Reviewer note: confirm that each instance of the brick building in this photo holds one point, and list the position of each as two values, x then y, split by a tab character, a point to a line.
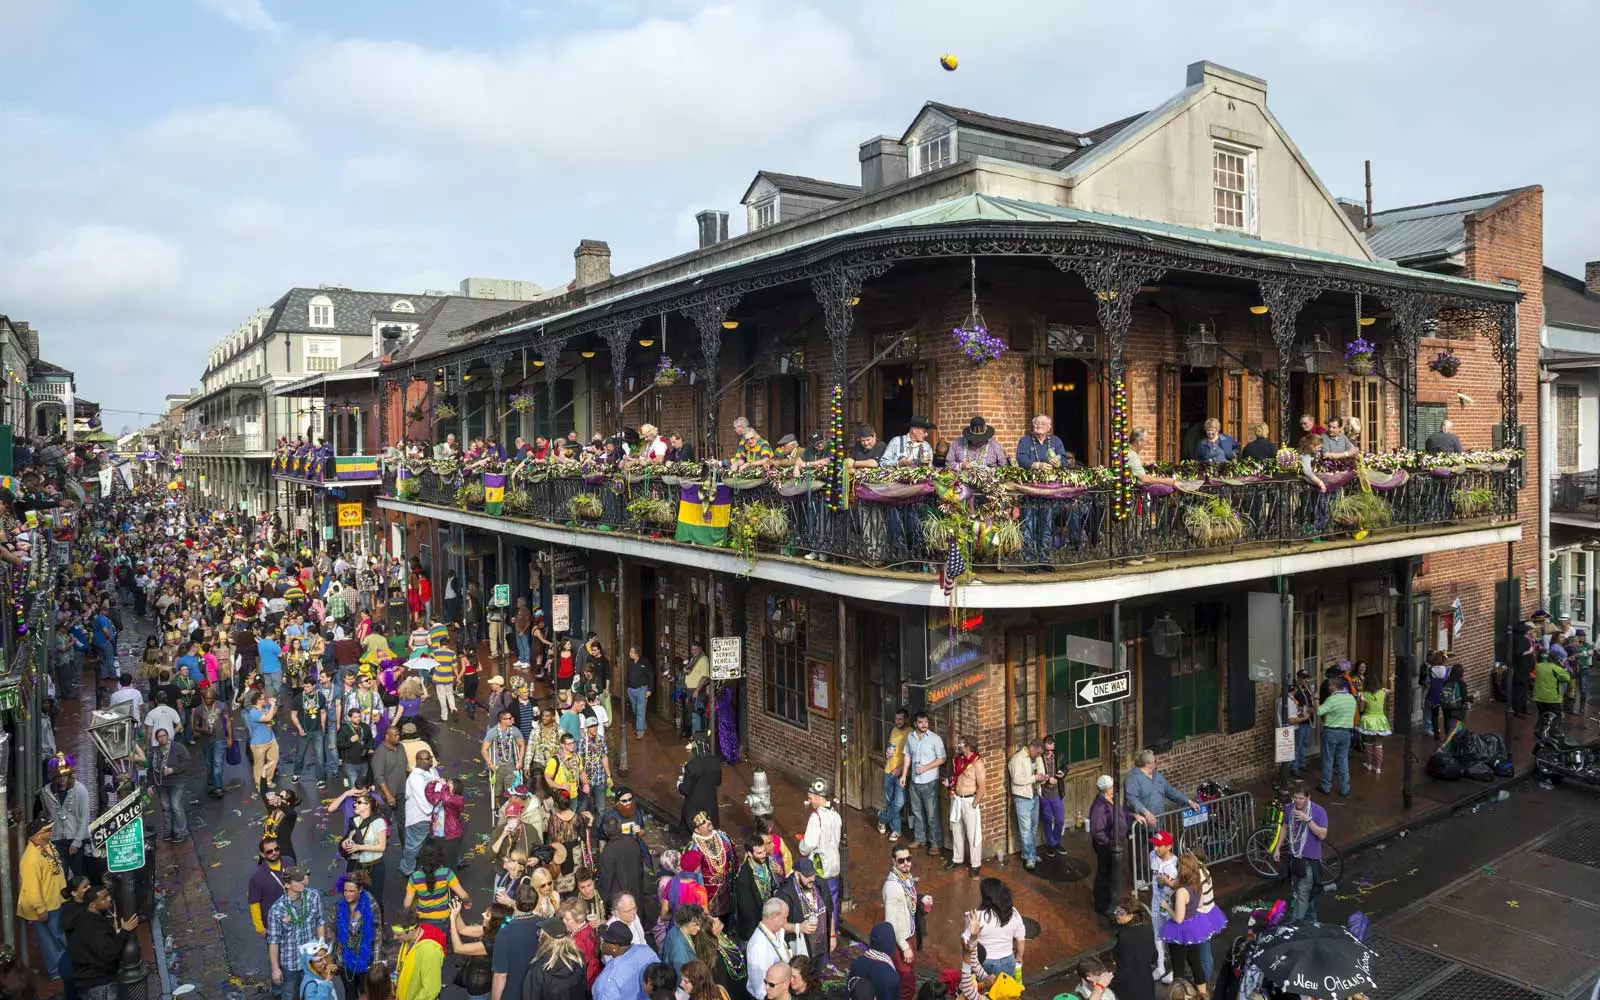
1173	266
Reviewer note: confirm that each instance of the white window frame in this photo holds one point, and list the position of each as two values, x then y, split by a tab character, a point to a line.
922	160
321	354
764	213
1250	222
403	306
319	313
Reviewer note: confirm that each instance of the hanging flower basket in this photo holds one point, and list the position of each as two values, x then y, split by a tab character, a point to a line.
586	507
445	411
978	345
416	414
1446	363
668	373
522	402
1358	356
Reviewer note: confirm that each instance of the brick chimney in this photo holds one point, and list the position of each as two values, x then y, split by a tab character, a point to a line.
883	163
1591	277
1354	211
713	226
30	338
593	263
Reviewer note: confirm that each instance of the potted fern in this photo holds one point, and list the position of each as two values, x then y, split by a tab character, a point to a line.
1213	521
586	507
469	496
1474	502
654	511
1361	512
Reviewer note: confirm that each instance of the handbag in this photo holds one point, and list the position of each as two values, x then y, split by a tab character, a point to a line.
235	753
475	976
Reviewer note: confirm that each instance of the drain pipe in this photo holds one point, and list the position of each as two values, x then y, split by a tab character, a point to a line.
1546	465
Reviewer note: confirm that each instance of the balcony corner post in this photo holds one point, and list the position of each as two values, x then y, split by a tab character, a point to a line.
837	288
616	338
1284	298
707	314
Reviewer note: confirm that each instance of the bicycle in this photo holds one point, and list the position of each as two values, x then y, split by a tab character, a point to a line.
1264	849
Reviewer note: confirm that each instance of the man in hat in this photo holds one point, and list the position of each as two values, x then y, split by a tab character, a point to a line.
697	682
868	450
1580	661
1294	709
66	805
1163	881
502	751
824	828
1108	826
912	447
594	761
810	906
817	451
295	920
420	967
625	965
39	895
976	446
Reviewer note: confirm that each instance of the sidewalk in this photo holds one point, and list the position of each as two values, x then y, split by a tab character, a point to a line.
1055	900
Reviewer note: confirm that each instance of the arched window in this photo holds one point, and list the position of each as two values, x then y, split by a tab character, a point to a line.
321	311
402	306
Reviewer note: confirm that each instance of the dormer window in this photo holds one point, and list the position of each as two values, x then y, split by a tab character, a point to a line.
1233	187
936	151
402	306
764	213
321	312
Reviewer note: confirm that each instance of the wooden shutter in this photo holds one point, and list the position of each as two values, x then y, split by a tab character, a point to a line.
1155	690
1095	450
1241	690
1169	426
1330	398
1231	390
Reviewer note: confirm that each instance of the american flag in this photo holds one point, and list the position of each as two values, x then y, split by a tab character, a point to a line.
955	567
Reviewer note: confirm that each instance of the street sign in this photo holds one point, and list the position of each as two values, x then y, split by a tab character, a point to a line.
727	658
125	848
502	596
349	515
561	612
121	815
1196	816
1102	689
1283	745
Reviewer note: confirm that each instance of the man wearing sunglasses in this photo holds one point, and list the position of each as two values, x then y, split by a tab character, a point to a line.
776	982
900	902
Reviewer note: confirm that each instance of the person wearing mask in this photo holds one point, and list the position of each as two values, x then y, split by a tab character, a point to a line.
96	946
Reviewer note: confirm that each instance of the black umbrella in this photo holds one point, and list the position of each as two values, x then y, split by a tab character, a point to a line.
1314	960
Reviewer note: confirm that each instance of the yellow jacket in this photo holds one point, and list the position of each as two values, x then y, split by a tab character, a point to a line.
41	881
421	971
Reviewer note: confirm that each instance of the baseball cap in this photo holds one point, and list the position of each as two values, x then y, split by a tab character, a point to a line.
805	866
616	934
296	873
1161	838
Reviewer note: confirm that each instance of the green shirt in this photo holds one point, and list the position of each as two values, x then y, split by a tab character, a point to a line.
1339	711
1548	676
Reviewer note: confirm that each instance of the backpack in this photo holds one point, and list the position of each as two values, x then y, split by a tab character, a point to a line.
1450	697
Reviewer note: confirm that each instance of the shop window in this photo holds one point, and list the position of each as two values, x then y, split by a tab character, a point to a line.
1197	673
1077	735
1308	632
784	685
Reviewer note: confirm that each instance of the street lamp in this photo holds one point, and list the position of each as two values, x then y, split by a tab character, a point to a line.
112	732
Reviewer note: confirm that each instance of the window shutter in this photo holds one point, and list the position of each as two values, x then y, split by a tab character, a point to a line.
1169	429
1155	684
1241	699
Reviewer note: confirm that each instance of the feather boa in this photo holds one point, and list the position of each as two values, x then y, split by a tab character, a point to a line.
358	959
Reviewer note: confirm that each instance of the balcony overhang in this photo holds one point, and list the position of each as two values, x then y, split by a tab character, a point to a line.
1120	584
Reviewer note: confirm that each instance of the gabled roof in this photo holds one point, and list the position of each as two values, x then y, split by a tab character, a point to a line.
1000	126
352	310
446	316
1567	302
1417	234
803	185
39	366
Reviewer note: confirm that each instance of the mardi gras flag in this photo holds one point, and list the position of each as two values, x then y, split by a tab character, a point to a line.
494	492
702	517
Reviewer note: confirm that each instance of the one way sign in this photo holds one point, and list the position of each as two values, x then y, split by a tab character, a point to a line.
1102	689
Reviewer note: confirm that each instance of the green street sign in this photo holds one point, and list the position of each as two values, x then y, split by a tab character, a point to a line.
125	848
502	595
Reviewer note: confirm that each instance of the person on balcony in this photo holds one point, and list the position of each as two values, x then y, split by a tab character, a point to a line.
1042	447
447	448
753	450
1260	448
976	446
679	450
815	454
868	450
652	446
912	447
1215	446
1136	439
1309	426
1335	444
1443	440
1310	446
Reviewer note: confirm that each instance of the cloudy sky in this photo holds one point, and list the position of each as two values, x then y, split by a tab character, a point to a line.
171	165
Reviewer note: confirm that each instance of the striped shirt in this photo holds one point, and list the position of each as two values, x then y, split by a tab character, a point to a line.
444	665
433	904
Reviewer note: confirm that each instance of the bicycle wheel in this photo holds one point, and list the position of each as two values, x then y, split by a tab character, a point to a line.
1258	852
1332	862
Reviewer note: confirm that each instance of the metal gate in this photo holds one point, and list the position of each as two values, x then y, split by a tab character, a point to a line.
1217	831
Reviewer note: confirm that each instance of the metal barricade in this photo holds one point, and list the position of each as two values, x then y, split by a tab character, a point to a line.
1217	830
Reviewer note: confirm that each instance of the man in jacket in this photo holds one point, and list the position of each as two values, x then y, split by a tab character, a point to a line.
757	881
1548	677
39	896
96	946
213	723
622	863
66	806
824	830
640	679
354	745
169	766
1146	791
1024	773
418	813
1107	825
810	905
389	770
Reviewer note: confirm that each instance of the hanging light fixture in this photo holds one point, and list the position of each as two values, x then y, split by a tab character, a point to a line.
647	342
1164	636
1320	358
538	362
1200	345
730	324
586	355
1259	309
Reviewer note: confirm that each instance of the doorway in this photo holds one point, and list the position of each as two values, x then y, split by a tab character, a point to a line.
1369	647
1069	405
1194	406
897	400
786	412
874	658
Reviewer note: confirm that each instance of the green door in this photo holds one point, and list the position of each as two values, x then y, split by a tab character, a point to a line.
1077	736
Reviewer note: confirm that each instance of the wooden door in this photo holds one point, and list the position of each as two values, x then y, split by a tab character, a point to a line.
1169	423
1369	646
1097	447
1271	405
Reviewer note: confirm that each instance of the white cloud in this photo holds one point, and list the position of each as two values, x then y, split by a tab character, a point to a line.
384	173
248	14
221	136
92	271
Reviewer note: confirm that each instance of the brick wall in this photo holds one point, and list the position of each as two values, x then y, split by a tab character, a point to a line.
1504	243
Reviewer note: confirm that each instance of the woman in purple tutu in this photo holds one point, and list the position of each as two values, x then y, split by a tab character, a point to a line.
1192	925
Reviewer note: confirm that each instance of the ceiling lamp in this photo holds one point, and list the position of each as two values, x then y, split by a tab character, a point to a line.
855	300
537	363
586	355
647	342
1320	358
1367	320
730	324
1200	347
1259	309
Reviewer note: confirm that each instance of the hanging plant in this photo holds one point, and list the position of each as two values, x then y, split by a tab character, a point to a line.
998	538
586	507
518	501
1213	521
1446	363
973	338
1475	502
657	511
1358	356
668	373
1361	511
445	411
522	402
416	414
470	496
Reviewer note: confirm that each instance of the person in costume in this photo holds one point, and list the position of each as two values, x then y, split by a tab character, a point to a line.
717	862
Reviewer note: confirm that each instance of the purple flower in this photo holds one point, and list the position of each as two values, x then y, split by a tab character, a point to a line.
977	344
1358	347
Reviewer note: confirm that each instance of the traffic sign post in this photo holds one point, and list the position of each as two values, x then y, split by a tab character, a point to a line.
727	658
1102	689
502	596
118	833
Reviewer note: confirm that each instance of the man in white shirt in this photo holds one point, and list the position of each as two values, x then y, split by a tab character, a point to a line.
127	692
767	947
419	812
162	716
912	447
824	828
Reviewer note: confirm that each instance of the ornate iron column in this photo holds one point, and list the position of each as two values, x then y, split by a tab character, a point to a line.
550	354
461	406
707	315
836	287
1505	353
495	414
1413	314
385	384
616	338
1284	298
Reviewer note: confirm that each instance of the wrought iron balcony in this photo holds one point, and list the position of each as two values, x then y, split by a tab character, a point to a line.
305	466
1576	495
1006	525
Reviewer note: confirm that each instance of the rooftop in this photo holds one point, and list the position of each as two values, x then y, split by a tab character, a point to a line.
1002	126
1419	234
1567	302
805	185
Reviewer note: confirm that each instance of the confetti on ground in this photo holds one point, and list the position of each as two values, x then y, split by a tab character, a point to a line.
1513	903
1487	869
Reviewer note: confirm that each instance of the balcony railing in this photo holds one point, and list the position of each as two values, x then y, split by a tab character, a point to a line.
998	523
309	467
244	443
1576	494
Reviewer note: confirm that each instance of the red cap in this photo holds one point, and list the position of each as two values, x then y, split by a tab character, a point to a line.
1161	838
